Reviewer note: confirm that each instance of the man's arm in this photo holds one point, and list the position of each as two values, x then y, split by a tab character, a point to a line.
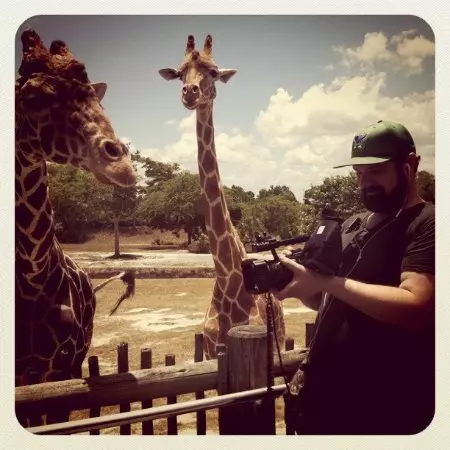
312	301
410	305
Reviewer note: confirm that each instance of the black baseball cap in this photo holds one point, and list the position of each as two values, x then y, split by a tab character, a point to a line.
380	142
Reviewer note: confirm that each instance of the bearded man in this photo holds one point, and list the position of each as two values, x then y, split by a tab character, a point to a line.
371	367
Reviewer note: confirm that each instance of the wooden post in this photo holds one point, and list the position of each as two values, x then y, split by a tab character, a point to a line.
94	371
289	344
122	364
222	386
146	363
198	356
172	427
247	360
310	328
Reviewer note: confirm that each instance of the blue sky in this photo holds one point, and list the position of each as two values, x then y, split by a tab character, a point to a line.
304	86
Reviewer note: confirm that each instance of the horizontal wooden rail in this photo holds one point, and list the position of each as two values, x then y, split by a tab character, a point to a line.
160	412
137	386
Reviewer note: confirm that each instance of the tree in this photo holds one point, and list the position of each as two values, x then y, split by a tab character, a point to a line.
425	186
236	197
175	204
78	199
123	204
156	172
280	191
340	193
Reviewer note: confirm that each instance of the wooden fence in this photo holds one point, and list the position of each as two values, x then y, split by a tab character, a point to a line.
239	367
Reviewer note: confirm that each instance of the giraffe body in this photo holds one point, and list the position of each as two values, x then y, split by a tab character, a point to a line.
59	119
231	304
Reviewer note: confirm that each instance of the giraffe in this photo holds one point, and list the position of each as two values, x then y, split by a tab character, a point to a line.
58	118
231	304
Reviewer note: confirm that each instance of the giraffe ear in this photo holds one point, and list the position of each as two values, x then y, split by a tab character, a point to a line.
226	74
100	89
169	73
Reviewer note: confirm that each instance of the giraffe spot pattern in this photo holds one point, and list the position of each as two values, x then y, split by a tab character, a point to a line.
45	245
46	138
23	216
42	226
209	162
38	197
207	134
61	146
212	190
46	343
26	148
59	158
32	179
217	221
54	283
19	190
21	161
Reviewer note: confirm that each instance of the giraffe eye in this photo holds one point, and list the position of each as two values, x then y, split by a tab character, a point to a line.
214	73
35	101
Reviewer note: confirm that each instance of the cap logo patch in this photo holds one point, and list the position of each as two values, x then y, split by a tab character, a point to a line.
358	141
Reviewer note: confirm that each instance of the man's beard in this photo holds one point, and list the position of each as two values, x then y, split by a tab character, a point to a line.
376	199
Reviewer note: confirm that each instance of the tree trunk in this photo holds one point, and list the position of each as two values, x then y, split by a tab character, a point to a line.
116	235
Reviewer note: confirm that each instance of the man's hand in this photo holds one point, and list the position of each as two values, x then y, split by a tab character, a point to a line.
305	284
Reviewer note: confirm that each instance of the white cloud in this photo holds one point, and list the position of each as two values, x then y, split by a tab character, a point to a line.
404	52
296	141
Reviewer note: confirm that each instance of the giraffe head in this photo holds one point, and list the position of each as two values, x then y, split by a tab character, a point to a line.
59	116
198	73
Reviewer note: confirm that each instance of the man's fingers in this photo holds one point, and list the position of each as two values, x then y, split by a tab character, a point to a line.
289	263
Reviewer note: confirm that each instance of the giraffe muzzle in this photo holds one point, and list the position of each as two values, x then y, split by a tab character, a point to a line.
190	95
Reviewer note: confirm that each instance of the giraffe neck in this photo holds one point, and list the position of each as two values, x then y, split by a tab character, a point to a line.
226	248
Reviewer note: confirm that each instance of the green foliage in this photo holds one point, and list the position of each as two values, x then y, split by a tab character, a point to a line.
156	173
275	214
176	204
277	191
340	193
77	199
426	186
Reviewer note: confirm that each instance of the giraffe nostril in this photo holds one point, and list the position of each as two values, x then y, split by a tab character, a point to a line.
195	89
184	90
113	151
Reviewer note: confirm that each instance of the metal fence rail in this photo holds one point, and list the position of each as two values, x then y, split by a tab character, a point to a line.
160	412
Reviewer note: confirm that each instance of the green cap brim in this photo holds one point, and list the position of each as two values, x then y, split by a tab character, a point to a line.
363	160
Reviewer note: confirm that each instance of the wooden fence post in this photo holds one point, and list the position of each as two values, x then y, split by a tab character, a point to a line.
122	364
310	329
289	345
94	371
222	385
198	356
146	363
172	427
247	369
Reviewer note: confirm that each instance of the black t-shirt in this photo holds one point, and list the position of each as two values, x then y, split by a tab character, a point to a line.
371	370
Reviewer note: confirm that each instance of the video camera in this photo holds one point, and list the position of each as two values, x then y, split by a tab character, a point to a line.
322	253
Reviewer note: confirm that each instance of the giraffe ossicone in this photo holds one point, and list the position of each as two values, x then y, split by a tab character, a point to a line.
231	304
59	119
